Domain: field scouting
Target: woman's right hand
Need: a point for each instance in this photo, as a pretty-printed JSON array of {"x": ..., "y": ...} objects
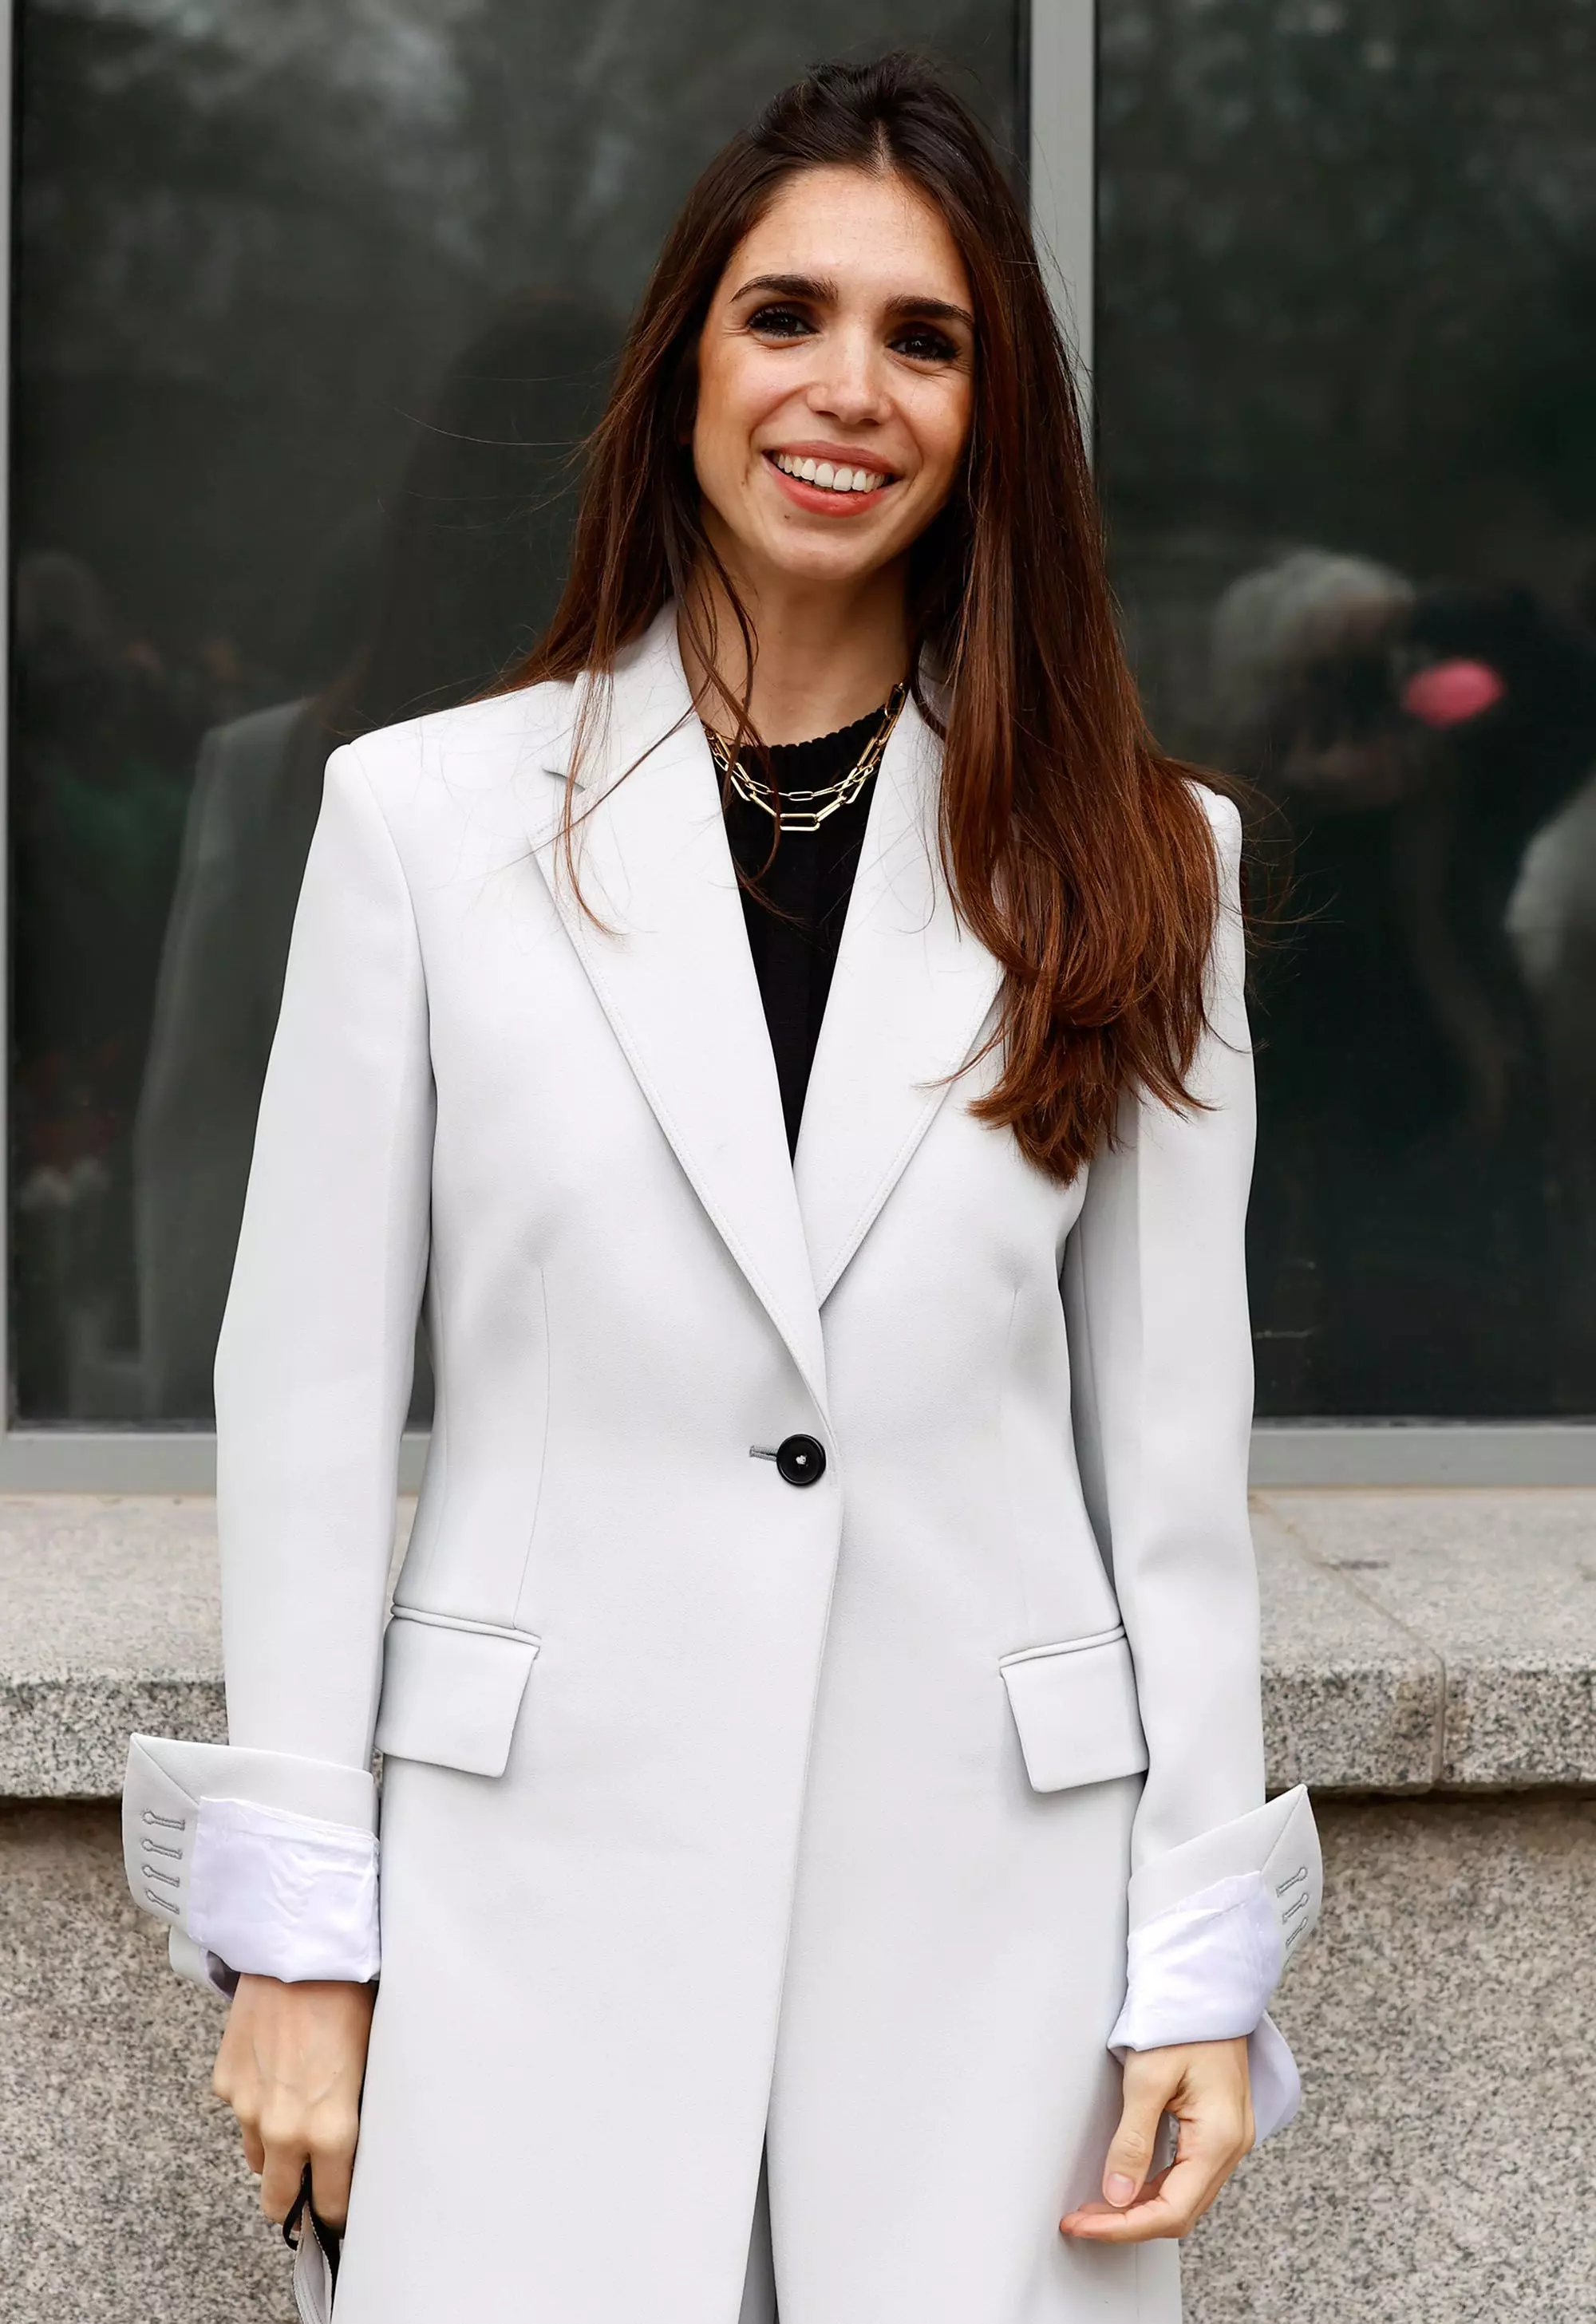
[{"x": 290, "y": 2066}]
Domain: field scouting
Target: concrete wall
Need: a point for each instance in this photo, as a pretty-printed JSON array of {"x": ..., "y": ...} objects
[
  {"x": 1442, "y": 2171},
  {"x": 124, "y": 2196}
]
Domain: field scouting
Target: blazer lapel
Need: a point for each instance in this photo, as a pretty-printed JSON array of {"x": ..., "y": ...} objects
[
  {"x": 673, "y": 973},
  {"x": 911, "y": 993}
]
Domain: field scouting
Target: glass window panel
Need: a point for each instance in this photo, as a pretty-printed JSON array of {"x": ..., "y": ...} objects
[
  {"x": 313, "y": 301},
  {"x": 1347, "y": 391}
]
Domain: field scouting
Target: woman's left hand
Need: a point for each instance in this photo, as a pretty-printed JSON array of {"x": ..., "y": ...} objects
[{"x": 1204, "y": 2085}]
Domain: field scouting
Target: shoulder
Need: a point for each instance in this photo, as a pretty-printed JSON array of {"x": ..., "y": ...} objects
[
  {"x": 1224, "y": 817},
  {"x": 486, "y": 740},
  {"x": 1225, "y": 825},
  {"x": 1226, "y": 832},
  {"x": 452, "y": 764}
]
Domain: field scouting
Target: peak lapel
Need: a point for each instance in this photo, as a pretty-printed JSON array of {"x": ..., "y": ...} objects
[
  {"x": 673, "y": 973},
  {"x": 911, "y": 993}
]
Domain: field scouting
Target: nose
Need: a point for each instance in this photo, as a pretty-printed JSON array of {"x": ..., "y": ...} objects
[{"x": 849, "y": 383}]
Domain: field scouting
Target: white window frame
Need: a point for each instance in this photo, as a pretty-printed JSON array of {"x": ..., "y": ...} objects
[{"x": 1061, "y": 55}]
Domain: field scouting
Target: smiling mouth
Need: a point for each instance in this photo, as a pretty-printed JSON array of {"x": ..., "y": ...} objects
[{"x": 829, "y": 476}]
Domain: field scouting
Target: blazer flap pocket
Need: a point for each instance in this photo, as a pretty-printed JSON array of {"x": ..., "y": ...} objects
[
  {"x": 1075, "y": 1705},
  {"x": 452, "y": 1691}
]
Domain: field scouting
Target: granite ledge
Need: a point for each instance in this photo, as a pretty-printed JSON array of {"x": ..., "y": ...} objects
[{"x": 1414, "y": 1641}]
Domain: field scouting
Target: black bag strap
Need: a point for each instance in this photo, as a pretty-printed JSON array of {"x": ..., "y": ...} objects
[{"x": 330, "y": 2239}]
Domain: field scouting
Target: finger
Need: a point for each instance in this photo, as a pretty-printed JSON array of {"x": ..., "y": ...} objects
[
  {"x": 332, "y": 2167},
  {"x": 1155, "y": 2214},
  {"x": 1148, "y": 2090},
  {"x": 1097, "y": 2209},
  {"x": 1170, "y": 2205},
  {"x": 284, "y": 2168},
  {"x": 254, "y": 2152}
]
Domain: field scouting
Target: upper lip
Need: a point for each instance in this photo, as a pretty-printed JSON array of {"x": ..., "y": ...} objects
[{"x": 841, "y": 455}]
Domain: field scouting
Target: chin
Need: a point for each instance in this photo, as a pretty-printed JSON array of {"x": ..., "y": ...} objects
[{"x": 839, "y": 562}]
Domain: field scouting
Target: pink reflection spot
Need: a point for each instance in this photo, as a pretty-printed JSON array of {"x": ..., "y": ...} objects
[{"x": 1449, "y": 692}]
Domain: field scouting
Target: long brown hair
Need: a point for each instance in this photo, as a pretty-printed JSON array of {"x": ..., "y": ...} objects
[{"x": 1072, "y": 849}]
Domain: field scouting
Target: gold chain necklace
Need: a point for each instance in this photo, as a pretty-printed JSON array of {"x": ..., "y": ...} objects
[{"x": 807, "y": 810}]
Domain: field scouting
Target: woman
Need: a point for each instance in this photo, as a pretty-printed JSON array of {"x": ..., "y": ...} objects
[{"x": 778, "y": 1726}]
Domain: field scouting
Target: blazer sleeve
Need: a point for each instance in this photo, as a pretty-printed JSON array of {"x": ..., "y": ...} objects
[
  {"x": 1224, "y": 1885},
  {"x": 261, "y": 1853}
]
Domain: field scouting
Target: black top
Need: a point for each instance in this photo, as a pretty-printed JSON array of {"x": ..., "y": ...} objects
[{"x": 800, "y": 900}]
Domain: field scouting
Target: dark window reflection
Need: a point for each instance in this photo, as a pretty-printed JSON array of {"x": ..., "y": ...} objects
[
  {"x": 313, "y": 305},
  {"x": 1347, "y": 387}
]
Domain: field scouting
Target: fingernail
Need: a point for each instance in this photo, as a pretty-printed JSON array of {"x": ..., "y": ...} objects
[{"x": 1118, "y": 2191}]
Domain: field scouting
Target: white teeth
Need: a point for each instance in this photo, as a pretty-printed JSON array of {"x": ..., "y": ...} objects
[{"x": 830, "y": 477}]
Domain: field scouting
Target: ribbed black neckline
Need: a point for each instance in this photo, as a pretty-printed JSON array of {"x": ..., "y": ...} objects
[{"x": 794, "y": 763}]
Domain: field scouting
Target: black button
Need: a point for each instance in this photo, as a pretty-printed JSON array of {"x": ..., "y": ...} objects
[{"x": 800, "y": 1459}]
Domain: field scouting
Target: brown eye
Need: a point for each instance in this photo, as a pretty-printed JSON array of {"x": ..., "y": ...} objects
[
  {"x": 923, "y": 344},
  {"x": 780, "y": 322}
]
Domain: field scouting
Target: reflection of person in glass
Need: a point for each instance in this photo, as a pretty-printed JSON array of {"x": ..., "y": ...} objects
[
  {"x": 470, "y": 570},
  {"x": 102, "y": 740},
  {"x": 785, "y": 1706},
  {"x": 1414, "y": 740},
  {"x": 1551, "y": 921}
]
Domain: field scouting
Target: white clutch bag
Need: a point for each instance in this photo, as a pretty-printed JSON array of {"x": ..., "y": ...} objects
[{"x": 315, "y": 2247}]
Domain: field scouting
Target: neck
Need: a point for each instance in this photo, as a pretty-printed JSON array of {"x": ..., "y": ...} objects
[{"x": 825, "y": 655}]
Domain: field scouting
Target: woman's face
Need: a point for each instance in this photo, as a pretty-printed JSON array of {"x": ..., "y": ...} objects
[{"x": 835, "y": 375}]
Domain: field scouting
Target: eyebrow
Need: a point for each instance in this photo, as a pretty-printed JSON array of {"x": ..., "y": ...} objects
[{"x": 824, "y": 292}]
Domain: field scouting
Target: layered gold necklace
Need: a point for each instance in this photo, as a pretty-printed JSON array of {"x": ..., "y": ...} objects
[{"x": 806, "y": 810}]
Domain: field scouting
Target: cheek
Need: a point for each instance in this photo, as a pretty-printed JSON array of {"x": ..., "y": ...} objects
[
  {"x": 727, "y": 412},
  {"x": 942, "y": 429},
  {"x": 711, "y": 425}
]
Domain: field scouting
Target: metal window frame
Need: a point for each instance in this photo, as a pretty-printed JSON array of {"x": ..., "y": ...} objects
[{"x": 1063, "y": 65}]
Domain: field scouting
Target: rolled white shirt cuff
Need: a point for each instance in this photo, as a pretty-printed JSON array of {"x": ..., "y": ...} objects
[
  {"x": 283, "y": 1896},
  {"x": 1203, "y": 1970}
]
